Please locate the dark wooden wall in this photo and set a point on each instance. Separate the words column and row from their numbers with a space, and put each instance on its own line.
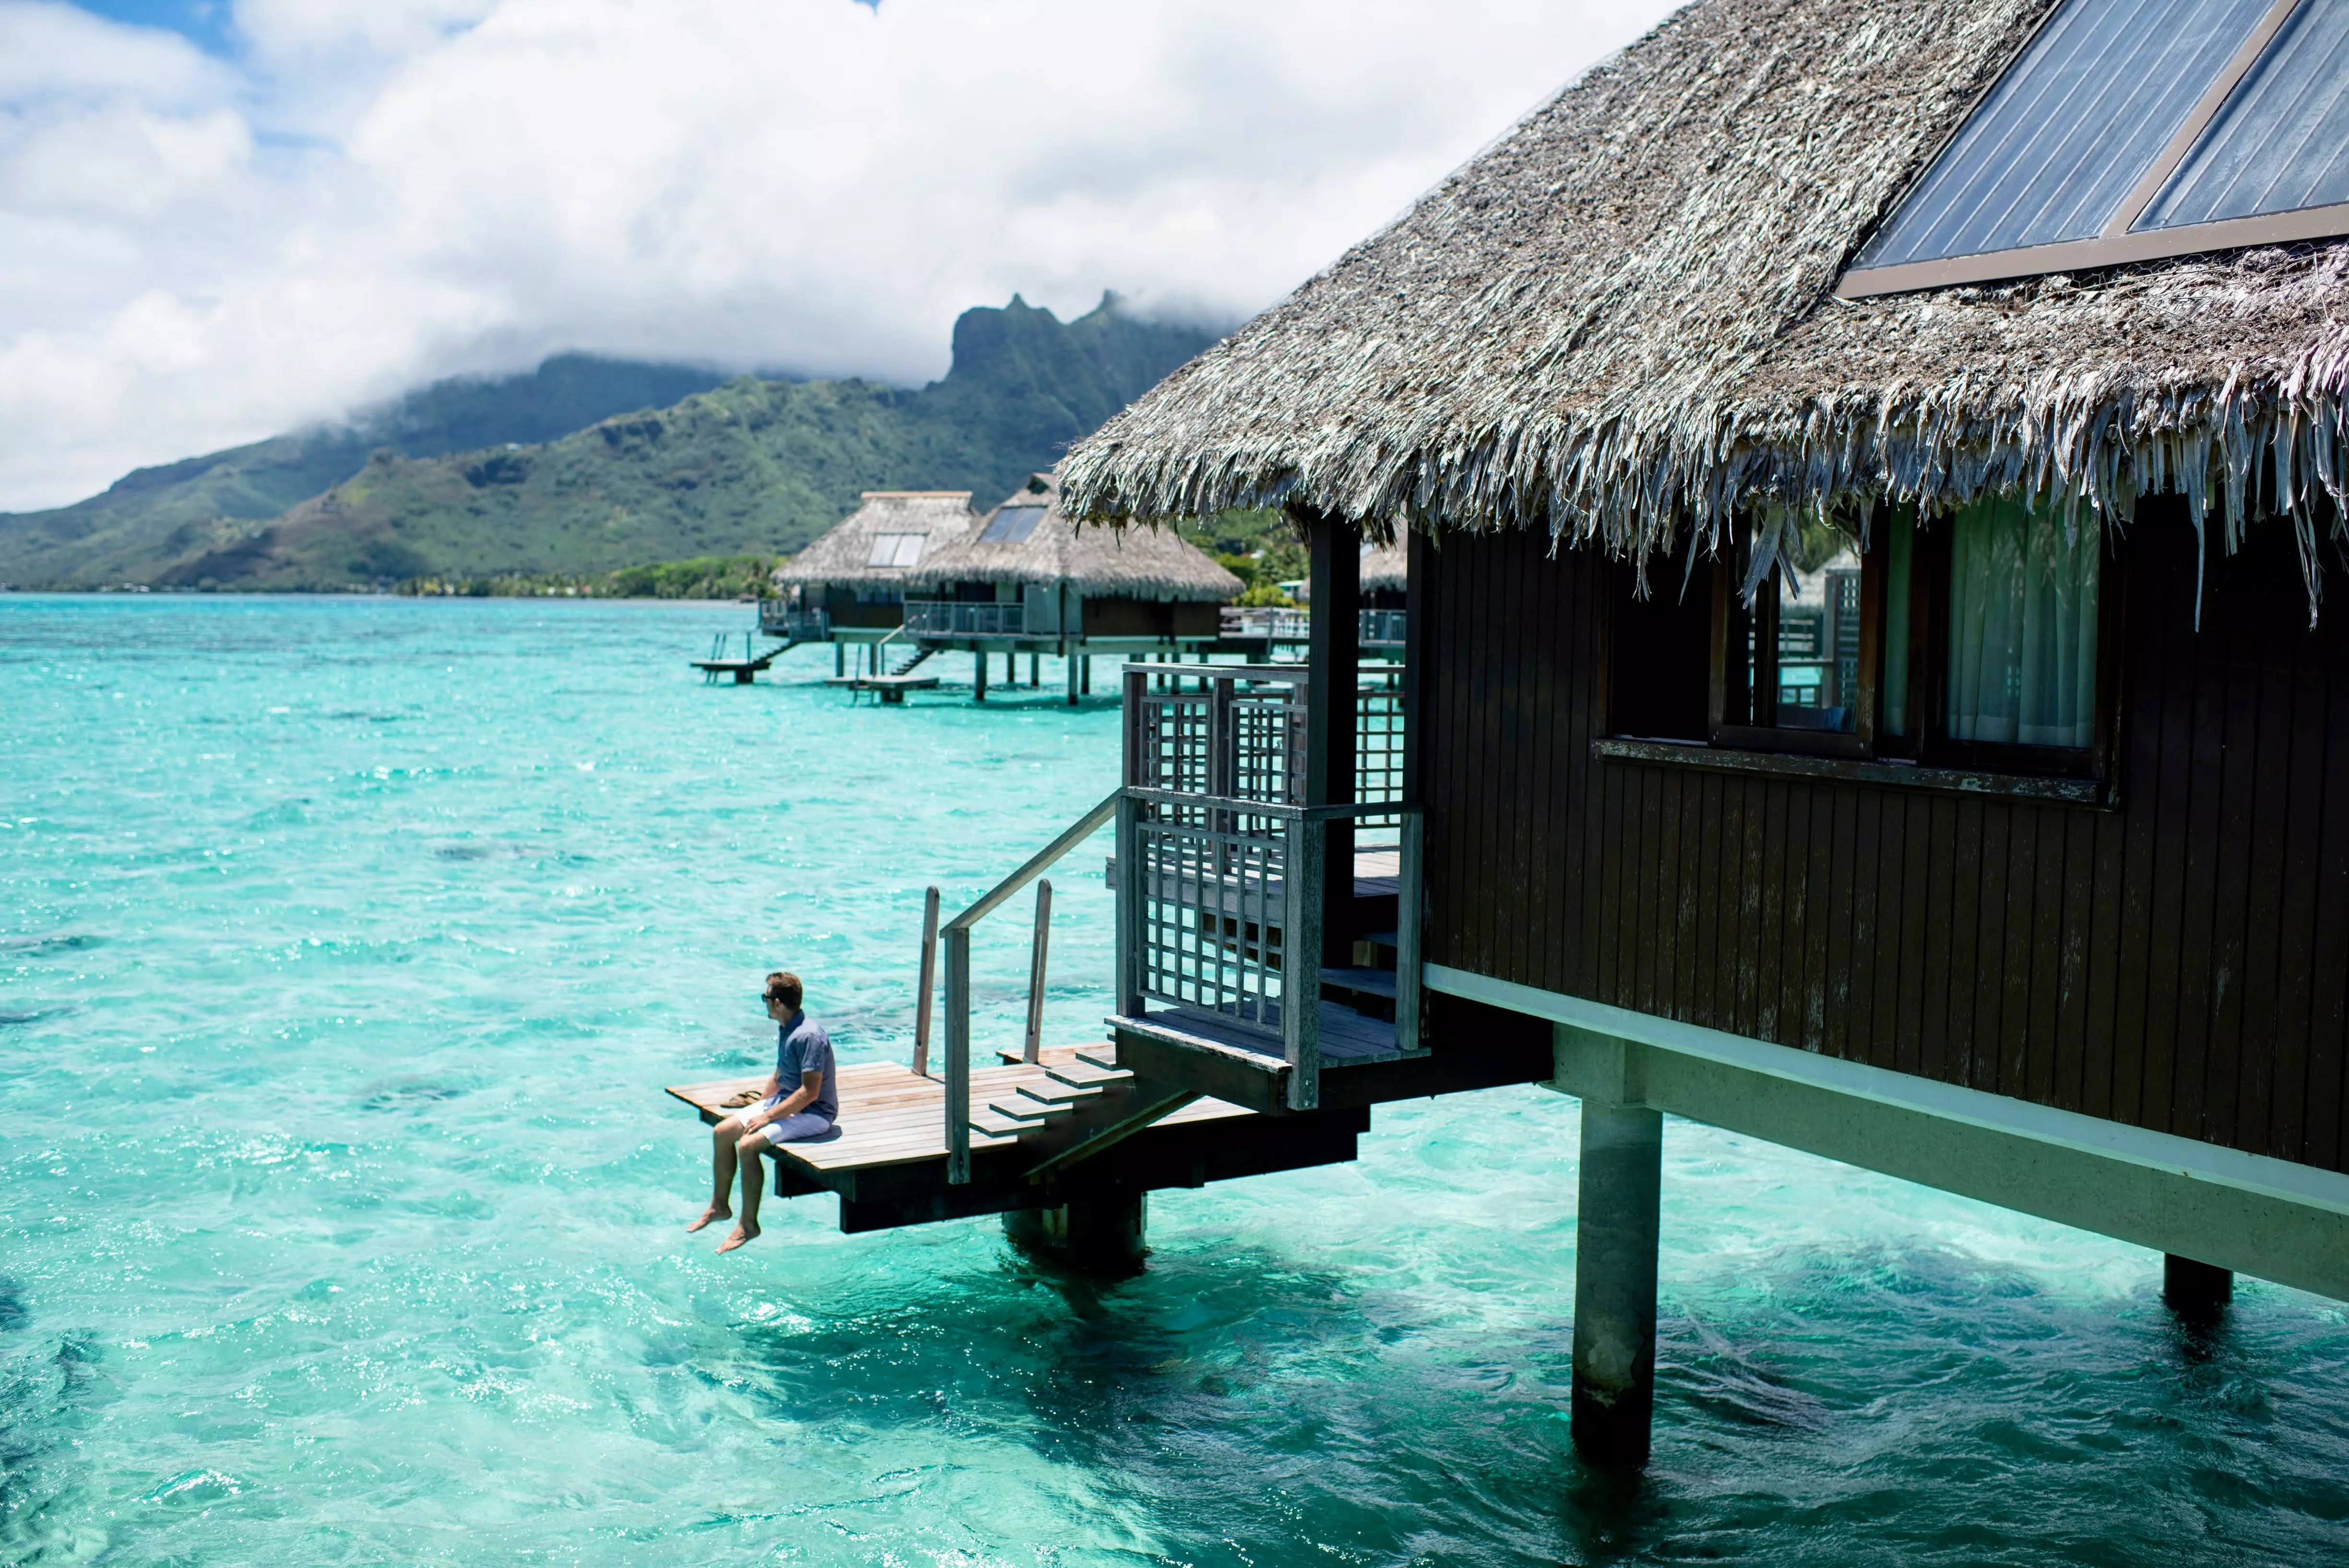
column 2177, row 963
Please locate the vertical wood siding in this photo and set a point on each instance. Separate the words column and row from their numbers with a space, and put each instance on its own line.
column 2180, row 963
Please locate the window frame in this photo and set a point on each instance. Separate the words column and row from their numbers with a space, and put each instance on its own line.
column 1729, row 622
column 1928, row 744
column 2118, row 244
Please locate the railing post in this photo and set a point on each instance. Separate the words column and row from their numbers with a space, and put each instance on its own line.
column 1128, row 984
column 958, row 1073
column 1408, row 921
column 1300, row 962
column 1033, row 1051
column 929, row 973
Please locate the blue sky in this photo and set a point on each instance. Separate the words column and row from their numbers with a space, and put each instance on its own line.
column 218, row 221
column 205, row 22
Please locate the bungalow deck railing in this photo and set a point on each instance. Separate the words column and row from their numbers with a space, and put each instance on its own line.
column 1267, row 621
column 945, row 618
column 1220, row 867
column 954, row 949
column 783, row 618
column 1222, row 863
column 1377, row 627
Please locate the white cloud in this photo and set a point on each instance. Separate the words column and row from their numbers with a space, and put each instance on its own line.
column 378, row 192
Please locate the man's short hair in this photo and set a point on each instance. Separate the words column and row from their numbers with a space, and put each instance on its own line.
column 784, row 987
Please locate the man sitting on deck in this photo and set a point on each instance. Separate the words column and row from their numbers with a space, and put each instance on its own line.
column 803, row 1061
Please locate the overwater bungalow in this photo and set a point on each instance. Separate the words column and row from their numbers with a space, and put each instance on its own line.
column 2040, row 896
column 1027, row 580
column 849, row 586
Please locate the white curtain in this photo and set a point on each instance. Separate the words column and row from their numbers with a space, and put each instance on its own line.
column 2022, row 627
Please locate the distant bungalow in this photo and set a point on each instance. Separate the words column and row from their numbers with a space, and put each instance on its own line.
column 849, row 586
column 1030, row 580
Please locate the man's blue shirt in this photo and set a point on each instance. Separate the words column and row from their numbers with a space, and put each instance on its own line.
column 802, row 1046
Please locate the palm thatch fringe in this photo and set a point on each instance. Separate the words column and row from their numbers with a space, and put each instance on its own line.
column 1617, row 325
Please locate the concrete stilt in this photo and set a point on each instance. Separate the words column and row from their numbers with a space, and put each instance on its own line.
column 1085, row 681
column 1615, row 1282
column 839, row 659
column 2197, row 1292
column 1099, row 1235
column 1034, row 664
column 979, row 675
column 1070, row 659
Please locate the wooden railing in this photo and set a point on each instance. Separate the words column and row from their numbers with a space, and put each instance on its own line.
column 1219, row 909
column 956, row 940
column 939, row 617
column 781, row 618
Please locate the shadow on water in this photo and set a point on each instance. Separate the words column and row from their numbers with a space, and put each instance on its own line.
column 1254, row 1410
column 63, row 942
column 44, row 1384
column 1907, row 1404
column 407, row 1093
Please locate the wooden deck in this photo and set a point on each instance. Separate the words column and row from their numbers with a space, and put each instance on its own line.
column 890, row 1116
column 888, row 1159
column 892, row 688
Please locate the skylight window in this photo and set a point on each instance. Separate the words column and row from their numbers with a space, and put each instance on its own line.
column 2281, row 142
column 896, row 549
column 2129, row 130
column 1012, row 525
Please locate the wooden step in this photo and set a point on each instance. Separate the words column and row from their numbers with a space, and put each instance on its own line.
column 1018, row 1105
column 1098, row 1055
column 1051, row 1093
column 1367, row 982
column 990, row 1120
column 1087, row 1075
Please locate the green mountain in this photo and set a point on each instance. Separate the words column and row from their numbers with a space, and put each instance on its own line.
column 751, row 466
column 154, row 519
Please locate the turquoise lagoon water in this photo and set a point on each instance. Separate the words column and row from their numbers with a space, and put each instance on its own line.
column 344, row 946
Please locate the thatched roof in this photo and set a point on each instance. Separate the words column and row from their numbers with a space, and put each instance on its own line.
column 1618, row 321
column 844, row 554
column 1132, row 562
column 1386, row 569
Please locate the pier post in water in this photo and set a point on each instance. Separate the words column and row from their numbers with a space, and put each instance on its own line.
column 1070, row 659
column 2197, row 1292
column 1099, row 1235
column 1615, row 1282
column 979, row 675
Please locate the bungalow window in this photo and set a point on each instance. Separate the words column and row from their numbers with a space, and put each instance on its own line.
column 896, row 549
column 1980, row 641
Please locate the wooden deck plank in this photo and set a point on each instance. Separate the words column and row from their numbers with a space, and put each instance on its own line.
column 889, row 1115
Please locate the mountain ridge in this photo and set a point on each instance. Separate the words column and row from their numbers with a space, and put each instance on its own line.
column 729, row 467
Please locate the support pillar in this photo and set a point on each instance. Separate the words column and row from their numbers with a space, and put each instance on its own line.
column 2197, row 1292
column 979, row 675
column 1102, row 1235
column 1333, row 656
column 1615, row 1282
column 1085, row 681
column 839, row 660
column 1070, row 660
column 1034, row 664
column 1010, row 669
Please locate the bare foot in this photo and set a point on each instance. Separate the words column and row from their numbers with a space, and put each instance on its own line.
column 715, row 1212
column 741, row 1233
